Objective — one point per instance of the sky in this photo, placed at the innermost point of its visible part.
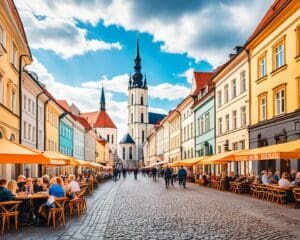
(78, 45)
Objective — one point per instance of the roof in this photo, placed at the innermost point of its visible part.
(64, 104)
(202, 79)
(273, 11)
(83, 122)
(127, 139)
(99, 119)
(154, 118)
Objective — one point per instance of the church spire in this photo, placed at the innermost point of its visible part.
(102, 99)
(137, 60)
(137, 78)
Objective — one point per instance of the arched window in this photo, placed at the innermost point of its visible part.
(142, 100)
(107, 138)
(124, 153)
(142, 117)
(112, 138)
(143, 136)
(130, 153)
(131, 99)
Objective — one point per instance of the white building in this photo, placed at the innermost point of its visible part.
(232, 107)
(32, 118)
(140, 121)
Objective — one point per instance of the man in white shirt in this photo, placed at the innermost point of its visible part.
(265, 179)
(73, 185)
(284, 182)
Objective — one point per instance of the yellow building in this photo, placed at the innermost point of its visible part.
(175, 138)
(52, 111)
(102, 151)
(274, 52)
(14, 55)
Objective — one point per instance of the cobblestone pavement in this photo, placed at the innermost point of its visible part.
(144, 209)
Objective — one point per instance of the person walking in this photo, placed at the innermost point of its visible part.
(168, 176)
(182, 174)
(115, 174)
(154, 173)
(135, 173)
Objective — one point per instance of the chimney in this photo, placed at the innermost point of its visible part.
(238, 49)
(231, 55)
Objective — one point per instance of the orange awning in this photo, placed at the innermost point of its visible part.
(57, 158)
(18, 154)
(220, 158)
(289, 150)
(81, 163)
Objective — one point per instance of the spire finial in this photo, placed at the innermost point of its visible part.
(102, 98)
(137, 46)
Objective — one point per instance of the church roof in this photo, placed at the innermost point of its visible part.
(127, 139)
(154, 118)
(99, 119)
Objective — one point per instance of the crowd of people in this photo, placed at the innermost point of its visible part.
(51, 186)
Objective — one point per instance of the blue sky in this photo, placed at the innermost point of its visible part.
(78, 44)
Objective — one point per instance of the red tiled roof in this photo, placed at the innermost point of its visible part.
(202, 79)
(99, 119)
(273, 11)
(64, 104)
(83, 122)
(18, 21)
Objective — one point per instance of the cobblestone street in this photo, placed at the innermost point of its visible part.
(144, 209)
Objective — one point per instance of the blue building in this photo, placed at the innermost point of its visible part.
(204, 116)
(66, 133)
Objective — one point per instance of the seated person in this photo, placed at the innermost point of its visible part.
(264, 178)
(284, 182)
(13, 186)
(29, 186)
(276, 176)
(5, 194)
(56, 188)
(73, 185)
(38, 185)
(225, 181)
(21, 180)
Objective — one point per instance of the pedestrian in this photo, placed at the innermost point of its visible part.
(154, 173)
(135, 173)
(182, 174)
(115, 174)
(168, 176)
(124, 172)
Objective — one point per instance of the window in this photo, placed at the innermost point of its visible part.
(131, 117)
(226, 93)
(243, 116)
(143, 136)
(25, 102)
(219, 96)
(227, 122)
(1, 90)
(220, 125)
(202, 125)
(14, 56)
(192, 130)
(262, 65)
(142, 117)
(206, 122)
(279, 94)
(235, 146)
(112, 138)
(107, 138)
(131, 99)
(297, 40)
(124, 153)
(130, 153)
(184, 133)
(33, 108)
(242, 144)
(243, 86)
(219, 149)
(25, 130)
(233, 88)
(33, 133)
(142, 100)
(278, 54)
(29, 131)
(13, 101)
(29, 104)
(262, 101)
(234, 120)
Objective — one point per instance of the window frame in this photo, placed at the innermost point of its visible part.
(233, 89)
(260, 74)
(275, 91)
(297, 32)
(243, 82)
(234, 119)
(281, 41)
(243, 124)
(262, 96)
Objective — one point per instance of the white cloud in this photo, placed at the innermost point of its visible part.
(207, 31)
(168, 91)
(187, 74)
(61, 36)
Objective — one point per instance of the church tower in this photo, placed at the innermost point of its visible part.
(138, 106)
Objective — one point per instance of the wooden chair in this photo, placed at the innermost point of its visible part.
(59, 210)
(269, 193)
(253, 189)
(82, 198)
(9, 209)
(232, 186)
(260, 191)
(296, 193)
(78, 204)
(279, 195)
